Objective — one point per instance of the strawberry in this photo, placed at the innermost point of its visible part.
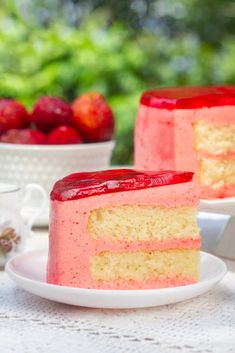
(63, 135)
(50, 112)
(93, 117)
(13, 115)
(24, 136)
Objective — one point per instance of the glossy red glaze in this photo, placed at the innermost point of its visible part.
(80, 185)
(189, 97)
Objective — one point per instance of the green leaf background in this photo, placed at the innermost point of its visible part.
(114, 49)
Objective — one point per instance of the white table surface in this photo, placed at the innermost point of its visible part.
(29, 324)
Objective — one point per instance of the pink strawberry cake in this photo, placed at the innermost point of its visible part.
(124, 229)
(189, 128)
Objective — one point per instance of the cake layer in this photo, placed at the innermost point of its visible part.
(145, 265)
(71, 247)
(135, 222)
(179, 137)
(214, 139)
(217, 172)
(160, 135)
(153, 283)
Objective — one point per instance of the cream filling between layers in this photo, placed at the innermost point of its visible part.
(71, 247)
(135, 223)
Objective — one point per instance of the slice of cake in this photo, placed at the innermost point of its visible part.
(124, 229)
(189, 128)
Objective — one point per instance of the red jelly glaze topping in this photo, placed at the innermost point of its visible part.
(189, 97)
(80, 185)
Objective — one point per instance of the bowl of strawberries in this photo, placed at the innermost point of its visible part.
(55, 139)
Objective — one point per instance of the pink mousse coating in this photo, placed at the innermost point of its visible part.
(71, 247)
(164, 139)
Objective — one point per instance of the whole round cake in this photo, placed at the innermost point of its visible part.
(189, 128)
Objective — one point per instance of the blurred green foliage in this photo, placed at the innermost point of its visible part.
(46, 49)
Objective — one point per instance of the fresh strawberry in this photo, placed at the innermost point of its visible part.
(50, 112)
(63, 135)
(93, 117)
(24, 136)
(13, 115)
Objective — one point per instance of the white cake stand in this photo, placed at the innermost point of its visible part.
(224, 244)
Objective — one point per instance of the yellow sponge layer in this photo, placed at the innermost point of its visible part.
(145, 265)
(217, 172)
(214, 139)
(143, 223)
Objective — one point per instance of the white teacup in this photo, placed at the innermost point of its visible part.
(14, 227)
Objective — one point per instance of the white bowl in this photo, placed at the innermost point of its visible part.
(44, 164)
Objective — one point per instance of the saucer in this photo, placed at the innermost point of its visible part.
(28, 270)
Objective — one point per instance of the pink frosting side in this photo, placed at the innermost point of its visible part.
(154, 139)
(181, 147)
(70, 247)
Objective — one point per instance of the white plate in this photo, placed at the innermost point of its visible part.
(223, 206)
(28, 270)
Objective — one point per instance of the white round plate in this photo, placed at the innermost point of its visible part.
(28, 270)
(223, 206)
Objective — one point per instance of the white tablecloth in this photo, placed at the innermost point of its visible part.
(29, 324)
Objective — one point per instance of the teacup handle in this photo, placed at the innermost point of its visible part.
(29, 191)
